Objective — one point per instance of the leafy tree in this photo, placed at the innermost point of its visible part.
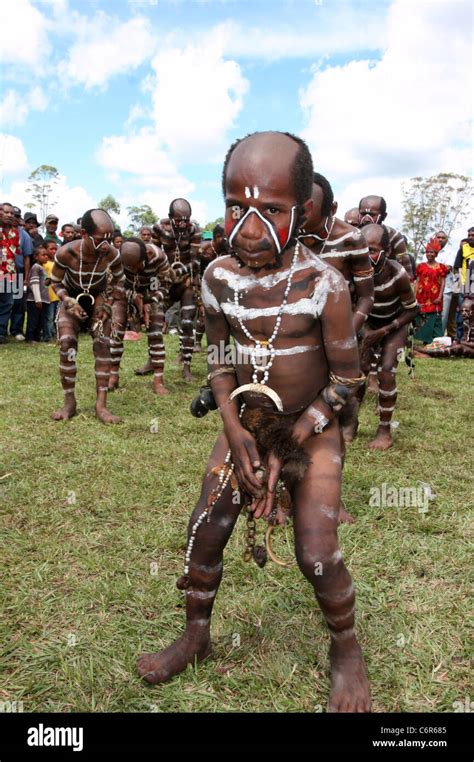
(211, 225)
(140, 216)
(110, 204)
(434, 203)
(42, 183)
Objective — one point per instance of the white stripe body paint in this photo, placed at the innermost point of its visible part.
(347, 252)
(328, 283)
(389, 283)
(246, 349)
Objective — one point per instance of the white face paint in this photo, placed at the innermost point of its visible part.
(249, 192)
(267, 223)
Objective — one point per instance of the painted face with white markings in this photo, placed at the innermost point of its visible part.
(261, 206)
(373, 235)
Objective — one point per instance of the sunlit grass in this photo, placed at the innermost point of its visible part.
(94, 522)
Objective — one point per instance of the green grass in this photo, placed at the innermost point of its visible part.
(82, 572)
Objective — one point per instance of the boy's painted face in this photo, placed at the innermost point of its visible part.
(261, 207)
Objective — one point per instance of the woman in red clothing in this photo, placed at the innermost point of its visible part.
(430, 280)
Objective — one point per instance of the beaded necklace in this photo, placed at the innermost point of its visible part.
(86, 289)
(263, 347)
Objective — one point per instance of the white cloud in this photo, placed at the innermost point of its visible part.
(404, 115)
(197, 95)
(13, 160)
(14, 108)
(142, 158)
(185, 125)
(345, 30)
(67, 202)
(24, 34)
(104, 49)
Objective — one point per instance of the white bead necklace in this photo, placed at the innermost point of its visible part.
(267, 346)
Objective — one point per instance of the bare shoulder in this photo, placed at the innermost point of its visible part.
(322, 270)
(395, 267)
(353, 237)
(217, 270)
(216, 277)
(113, 255)
(398, 271)
(164, 225)
(66, 254)
(329, 285)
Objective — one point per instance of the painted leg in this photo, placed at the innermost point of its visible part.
(68, 329)
(156, 347)
(188, 313)
(316, 501)
(119, 322)
(205, 572)
(388, 388)
(101, 348)
(200, 328)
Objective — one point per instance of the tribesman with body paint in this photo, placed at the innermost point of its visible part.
(290, 316)
(147, 283)
(386, 330)
(208, 252)
(373, 211)
(180, 239)
(80, 279)
(344, 247)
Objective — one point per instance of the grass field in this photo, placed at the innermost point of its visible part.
(94, 522)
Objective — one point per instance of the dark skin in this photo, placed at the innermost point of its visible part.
(208, 252)
(145, 234)
(68, 233)
(354, 264)
(180, 240)
(71, 314)
(352, 217)
(370, 213)
(351, 257)
(264, 161)
(148, 281)
(386, 329)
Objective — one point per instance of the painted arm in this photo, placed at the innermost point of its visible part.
(340, 347)
(408, 301)
(223, 381)
(57, 276)
(400, 252)
(363, 277)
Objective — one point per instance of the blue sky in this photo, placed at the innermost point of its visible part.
(141, 98)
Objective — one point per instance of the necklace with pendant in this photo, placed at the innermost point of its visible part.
(265, 347)
(85, 295)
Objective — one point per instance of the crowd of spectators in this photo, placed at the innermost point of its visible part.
(28, 304)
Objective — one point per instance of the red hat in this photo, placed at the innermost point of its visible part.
(433, 245)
